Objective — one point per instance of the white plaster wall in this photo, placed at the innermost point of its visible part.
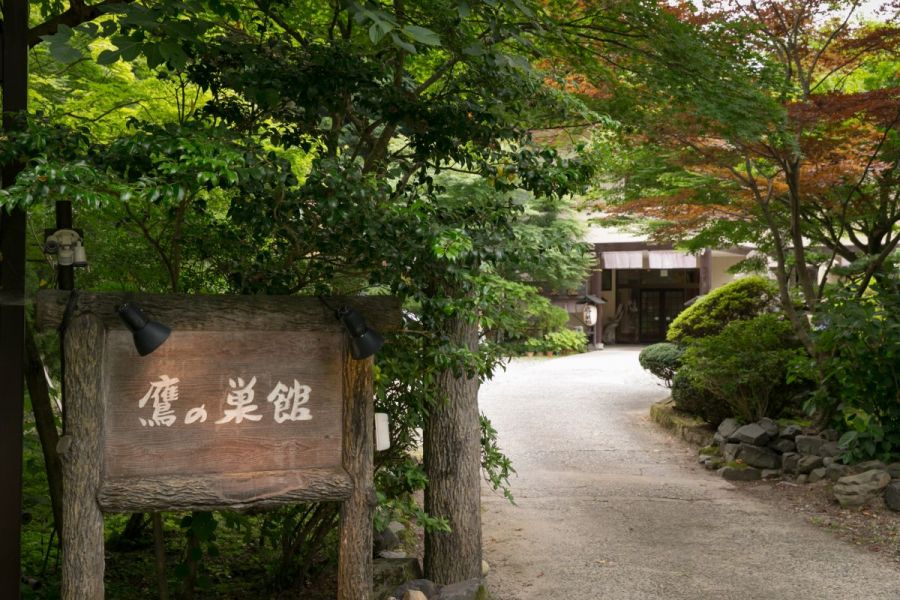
(719, 275)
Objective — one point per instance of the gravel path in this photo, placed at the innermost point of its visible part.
(610, 508)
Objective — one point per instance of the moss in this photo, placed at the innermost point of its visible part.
(709, 450)
(737, 464)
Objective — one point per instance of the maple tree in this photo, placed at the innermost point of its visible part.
(755, 121)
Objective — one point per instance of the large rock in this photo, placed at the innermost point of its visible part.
(809, 444)
(869, 465)
(384, 540)
(790, 431)
(471, 589)
(893, 470)
(817, 475)
(830, 449)
(789, 462)
(761, 458)
(388, 573)
(769, 426)
(736, 474)
(414, 595)
(731, 452)
(892, 496)
(752, 434)
(423, 586)
(835, 471)
(727, 428)
(807, 463)
(782, 445)
(856, 490)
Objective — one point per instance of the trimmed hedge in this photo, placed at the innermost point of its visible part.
(662, 360)
(741, 299)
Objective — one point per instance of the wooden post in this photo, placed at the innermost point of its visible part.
(14, 70)
(106, 464)
(357, 513)
(706, 271)
(81, 452)
(596, 289)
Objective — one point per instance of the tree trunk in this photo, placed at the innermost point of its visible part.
(81, 453)
(452, 448)
(45, 422)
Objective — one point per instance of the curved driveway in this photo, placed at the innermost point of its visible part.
(609, 508)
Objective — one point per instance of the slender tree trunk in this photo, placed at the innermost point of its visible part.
(452, 447)
(45, 422)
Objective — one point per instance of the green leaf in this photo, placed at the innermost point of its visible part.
(422, 35)
(108, 57)
(401, 44)
(848, 438)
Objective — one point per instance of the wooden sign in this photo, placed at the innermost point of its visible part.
(251, 402)
(209, 407)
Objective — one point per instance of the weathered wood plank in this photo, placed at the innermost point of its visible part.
(224, 313)
(225, 491)
(81, 453)
(357, 512)
(205, 363)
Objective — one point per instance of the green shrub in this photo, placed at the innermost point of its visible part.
(859, 342)
(565, 340)
(746, 365)
(534, 345)
(741, 299)
(662, 360)
(691, 398)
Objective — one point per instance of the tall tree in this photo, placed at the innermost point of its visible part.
(314, 162)
(766, 122)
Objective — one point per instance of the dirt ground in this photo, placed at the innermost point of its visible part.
(874, 528)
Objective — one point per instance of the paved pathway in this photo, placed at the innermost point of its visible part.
(608, 508)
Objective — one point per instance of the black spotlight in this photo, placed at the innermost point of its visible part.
(364, 342)
(148, 335)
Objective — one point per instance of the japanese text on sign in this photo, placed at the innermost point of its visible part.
(288, 402)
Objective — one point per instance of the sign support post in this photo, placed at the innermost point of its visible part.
(252, 402)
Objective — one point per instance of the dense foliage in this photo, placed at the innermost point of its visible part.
(690, 397)
(742, 298)
(746, 365)
(285, 148)
(860, 343)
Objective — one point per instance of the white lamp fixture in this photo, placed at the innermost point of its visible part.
(68, 247)
(382, 432)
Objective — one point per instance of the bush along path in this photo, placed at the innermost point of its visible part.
(608, 506)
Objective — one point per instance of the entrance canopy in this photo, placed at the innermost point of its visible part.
(623, 260)
(656, 259)
(672, 260)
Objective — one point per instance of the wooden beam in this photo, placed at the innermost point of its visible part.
(14, 70)
(271, 488)
(225, 313)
